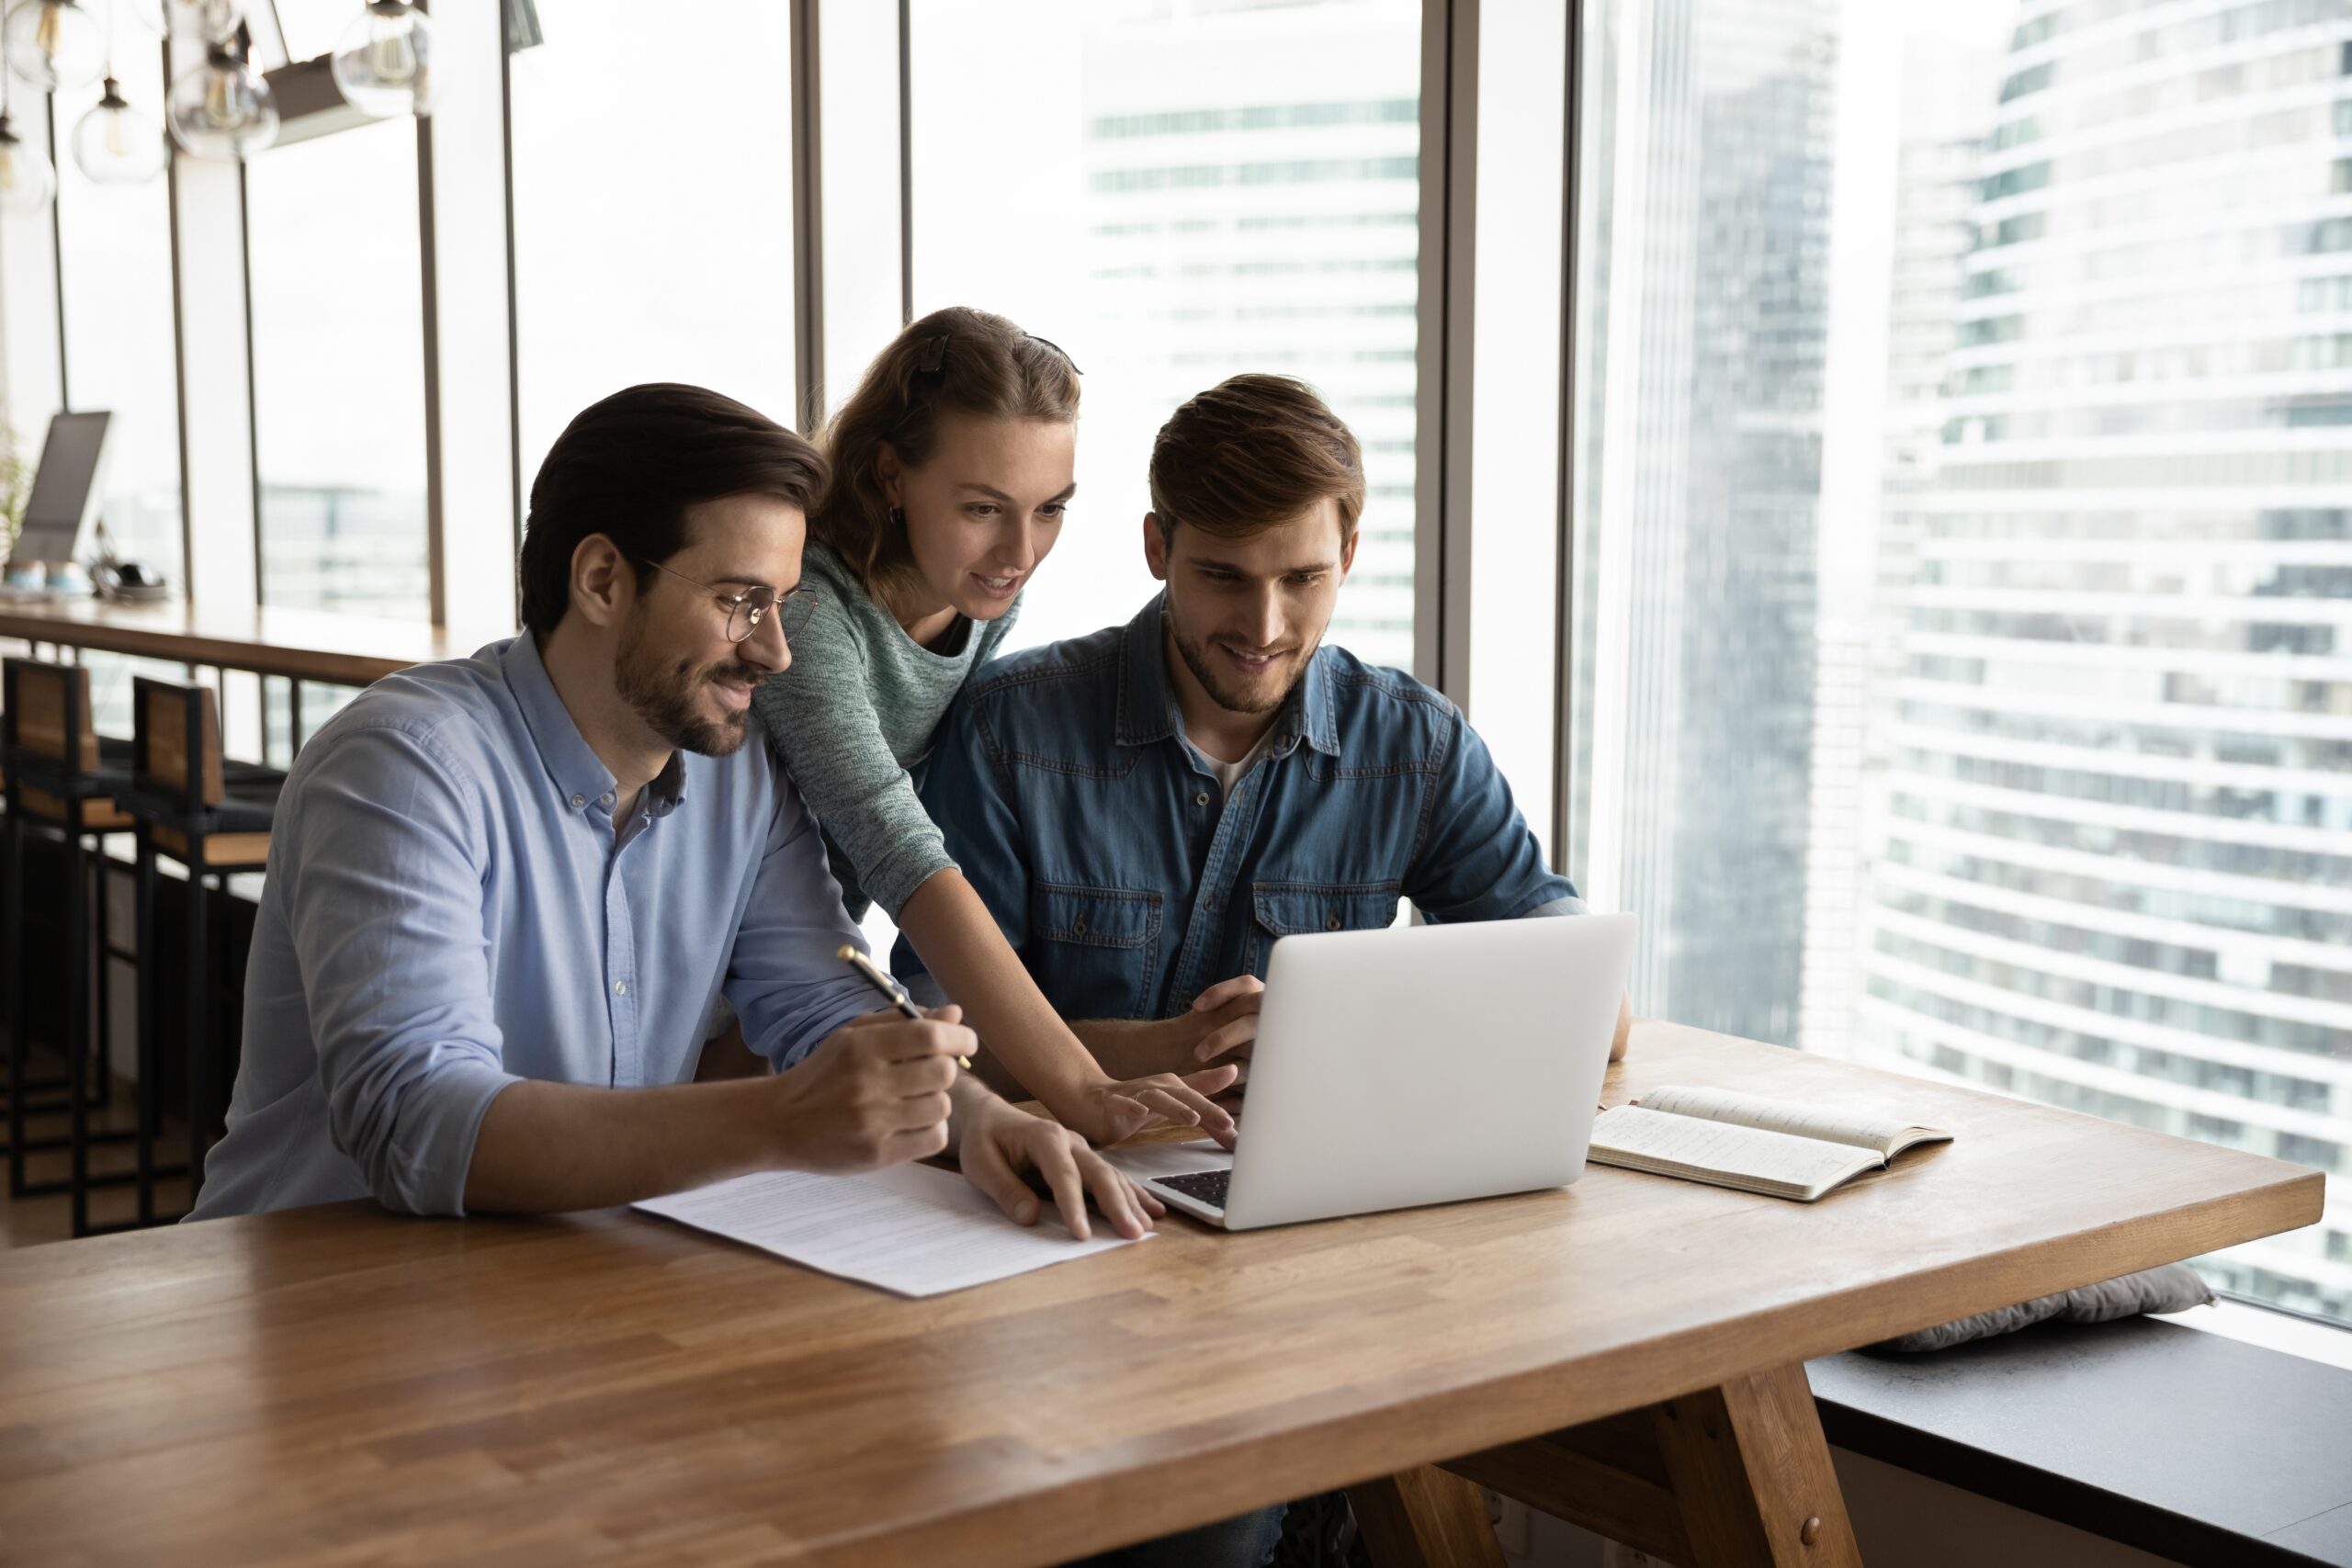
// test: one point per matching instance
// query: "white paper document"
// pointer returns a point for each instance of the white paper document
(911, 1229)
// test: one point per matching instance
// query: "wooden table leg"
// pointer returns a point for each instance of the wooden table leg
(1425, 1518)
(1735, 1476)
(1752, 1471)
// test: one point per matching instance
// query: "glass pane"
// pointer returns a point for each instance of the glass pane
(338, 324)
(116, 243)
(652, 208)
(1174, 196)
(1963, 677)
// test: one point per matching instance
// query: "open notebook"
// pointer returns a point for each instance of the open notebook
(1771, 1146)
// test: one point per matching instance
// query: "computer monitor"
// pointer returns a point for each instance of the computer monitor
(64, 500)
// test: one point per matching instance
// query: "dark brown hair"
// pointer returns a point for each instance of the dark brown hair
(952, 361)
(630, 466)
(1252, 452)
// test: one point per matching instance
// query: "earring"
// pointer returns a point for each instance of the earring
(898, 517)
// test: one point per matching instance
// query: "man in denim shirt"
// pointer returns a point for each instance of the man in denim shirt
(1148, 808)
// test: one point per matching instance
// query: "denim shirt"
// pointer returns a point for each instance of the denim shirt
(1066, 791)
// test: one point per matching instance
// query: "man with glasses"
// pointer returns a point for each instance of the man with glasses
(506, 891)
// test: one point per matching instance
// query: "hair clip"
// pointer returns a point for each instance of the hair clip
(1058, 348)
(935, 357)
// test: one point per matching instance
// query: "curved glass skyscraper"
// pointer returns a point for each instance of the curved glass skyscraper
(2115, 861)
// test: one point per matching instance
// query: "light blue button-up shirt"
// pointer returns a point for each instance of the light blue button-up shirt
(450, 909)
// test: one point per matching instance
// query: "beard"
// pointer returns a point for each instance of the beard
(665, 693)
(1228, 694)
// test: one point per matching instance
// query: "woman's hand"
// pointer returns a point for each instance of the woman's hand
(1000, 1148)
(1107, 1109)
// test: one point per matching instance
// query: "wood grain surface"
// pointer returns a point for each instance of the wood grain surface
(313, 645)
(339, 1385)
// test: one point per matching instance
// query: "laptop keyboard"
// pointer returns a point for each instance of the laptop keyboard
(1207, 1185)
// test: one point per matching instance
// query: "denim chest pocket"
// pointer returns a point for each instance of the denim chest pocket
(1098, 947)
(1288, 909)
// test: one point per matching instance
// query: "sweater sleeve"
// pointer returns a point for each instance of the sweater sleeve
(820, 718)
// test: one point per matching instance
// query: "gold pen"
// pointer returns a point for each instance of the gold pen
(881, 981)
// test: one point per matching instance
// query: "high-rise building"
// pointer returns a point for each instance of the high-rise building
(1700, 574)
(1252, 203)
(2117, 871)
(1943, 112)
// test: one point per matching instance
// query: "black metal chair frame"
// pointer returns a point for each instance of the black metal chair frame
(73, 789)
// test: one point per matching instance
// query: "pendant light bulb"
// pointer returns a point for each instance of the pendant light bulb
(115, 144)
(384, 63)
(224, 108)
(27, 182)
(54, 43)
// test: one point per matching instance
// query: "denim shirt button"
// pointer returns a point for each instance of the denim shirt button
(1077, 928)
(1202, 798)
(1332, 922)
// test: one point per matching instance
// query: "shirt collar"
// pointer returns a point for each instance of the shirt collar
(580, 780)
(1147, 710)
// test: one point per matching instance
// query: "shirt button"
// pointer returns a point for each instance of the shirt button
(1202, 798)
(579, 800)
(620, 988)
(605, 798)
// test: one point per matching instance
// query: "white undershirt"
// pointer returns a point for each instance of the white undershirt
(1230, 773)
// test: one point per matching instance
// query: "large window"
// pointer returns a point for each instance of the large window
(338, 373)
(115, 245)
(1964, 554)
(1176, 196)
(652, 208)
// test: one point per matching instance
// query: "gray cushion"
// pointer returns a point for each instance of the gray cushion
(2172, 1287)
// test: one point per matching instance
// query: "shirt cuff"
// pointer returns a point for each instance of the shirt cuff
(893, 879)
(432, 1152)
(1571, 905)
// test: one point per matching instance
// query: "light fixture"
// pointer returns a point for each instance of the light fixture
(223, 108)
(384, 63)
(54, 43)
(115, 144)
(27, 182)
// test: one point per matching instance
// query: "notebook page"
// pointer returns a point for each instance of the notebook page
(1862, 1131)
(1803, 1163)
(911, 1229)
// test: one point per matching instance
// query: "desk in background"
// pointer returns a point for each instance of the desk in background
(321, 646)
(328, 1384)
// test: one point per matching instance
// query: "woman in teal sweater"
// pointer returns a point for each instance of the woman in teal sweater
(952, 468)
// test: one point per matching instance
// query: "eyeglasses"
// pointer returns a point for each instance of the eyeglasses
(746, 610)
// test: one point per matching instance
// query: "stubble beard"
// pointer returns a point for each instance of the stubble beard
(1213, 681)
(664, 695)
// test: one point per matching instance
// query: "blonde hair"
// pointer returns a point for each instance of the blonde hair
(955, 361)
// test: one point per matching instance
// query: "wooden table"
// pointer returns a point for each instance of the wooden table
(304, 645)
(340, 1385)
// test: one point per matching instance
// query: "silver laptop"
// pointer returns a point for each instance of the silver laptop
(1418, 1065)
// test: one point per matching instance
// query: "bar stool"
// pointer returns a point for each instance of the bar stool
(62, 777)
(213, 817)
